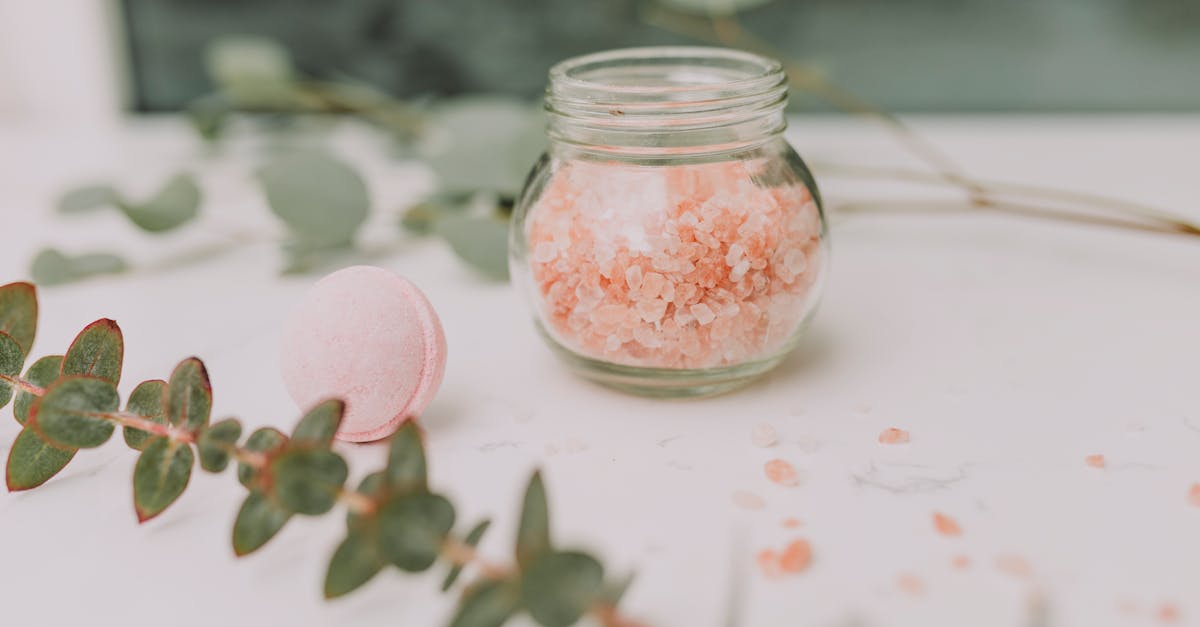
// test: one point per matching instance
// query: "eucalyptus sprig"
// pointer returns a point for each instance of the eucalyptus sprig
(394, 517)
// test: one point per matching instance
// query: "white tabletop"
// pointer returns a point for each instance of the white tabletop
(1009, 348)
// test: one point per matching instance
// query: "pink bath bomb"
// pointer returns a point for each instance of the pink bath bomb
(371, 338)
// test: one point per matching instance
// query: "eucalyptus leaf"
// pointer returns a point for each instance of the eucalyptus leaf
(189, 395)
(322, 199)
(412, 528)
(42, 373)
(266, 440)
(98, 351)
(19, 313)
(307, 481)
(87, 198)
(353, 564)
(482, 242)
(32, 461)
(484, 143)
(11, 360)
(67, 414)
(488, 603)
(559, 587)
(614, 590)
(472, 540)
(177, 203)
(209, 115)
(241, 62)
(714, 7)
(406, 465)
(420, 218)
(320, 424)
(216, 441)
(146, 401)
(160, 476)
(257, 522)
(533, 532)
(52, 267)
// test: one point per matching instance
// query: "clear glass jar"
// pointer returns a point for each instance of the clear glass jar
(670, 241)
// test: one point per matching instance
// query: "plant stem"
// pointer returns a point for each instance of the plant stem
(357, 502)
(1180, 224)
(250, 458)
(22, 385)
(141, 423)
(460, 553)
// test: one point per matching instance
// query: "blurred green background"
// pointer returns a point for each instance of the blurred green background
(904, 55)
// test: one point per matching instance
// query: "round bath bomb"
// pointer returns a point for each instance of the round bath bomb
(371, 338)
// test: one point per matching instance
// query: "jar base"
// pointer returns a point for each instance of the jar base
(664, 382)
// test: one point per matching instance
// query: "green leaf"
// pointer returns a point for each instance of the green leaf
(98, 351)
(11, 360)
(53, 267)
(242, 61)
(406, 470)
(307, 481)
(32, 461)
(714, 7)
(19, 313)
(482, 242)
(420, 218)
(412, 528)
(488, 603)
(87, 198)
(266, 440)
(189, 395)
(174, 205)
(66, 415)
(320, 424)
(160, 476)
(483, 143)
(145, 401)
(559, 587)
(42, 373)
(208, 115)
(472, 540)
(614, 590)
(216, 441)
(533, 533)
(257, 522)
(322, 199)
(354, 563)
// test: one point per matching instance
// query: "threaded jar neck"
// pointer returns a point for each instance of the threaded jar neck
(666, 101)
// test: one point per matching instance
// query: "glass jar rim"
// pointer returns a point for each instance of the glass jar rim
(676, 74)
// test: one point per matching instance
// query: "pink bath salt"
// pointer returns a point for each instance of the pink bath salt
(748, 500)
(1095, 461)
(371, 338)
(910, 583)
(960, 562)
(1194, 494)
(893, 436)
(732, 264)
(945, 525)
(782, 473)
(1014, 565)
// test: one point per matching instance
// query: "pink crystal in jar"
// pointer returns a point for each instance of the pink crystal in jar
(693, 266)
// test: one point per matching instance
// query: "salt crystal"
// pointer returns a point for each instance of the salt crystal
(782, 473)
(703, 313)
(545, 252)
(748, 500)
(946, 525)
(633, 278)
(764, 435)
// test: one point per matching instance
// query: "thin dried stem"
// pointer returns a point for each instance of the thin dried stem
(141, 423)
(995, 187)
(1013, 208)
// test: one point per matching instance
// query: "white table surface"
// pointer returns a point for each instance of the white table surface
(1009, 348)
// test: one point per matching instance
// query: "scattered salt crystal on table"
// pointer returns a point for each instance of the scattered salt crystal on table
(748, 500)
(764, 435)
(1014, 565)
(782, 473)
(910, 584)
(946, 525)
(792, 522)
(1095, 461)
(893, 436)
(961, 562)
(794, 558)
